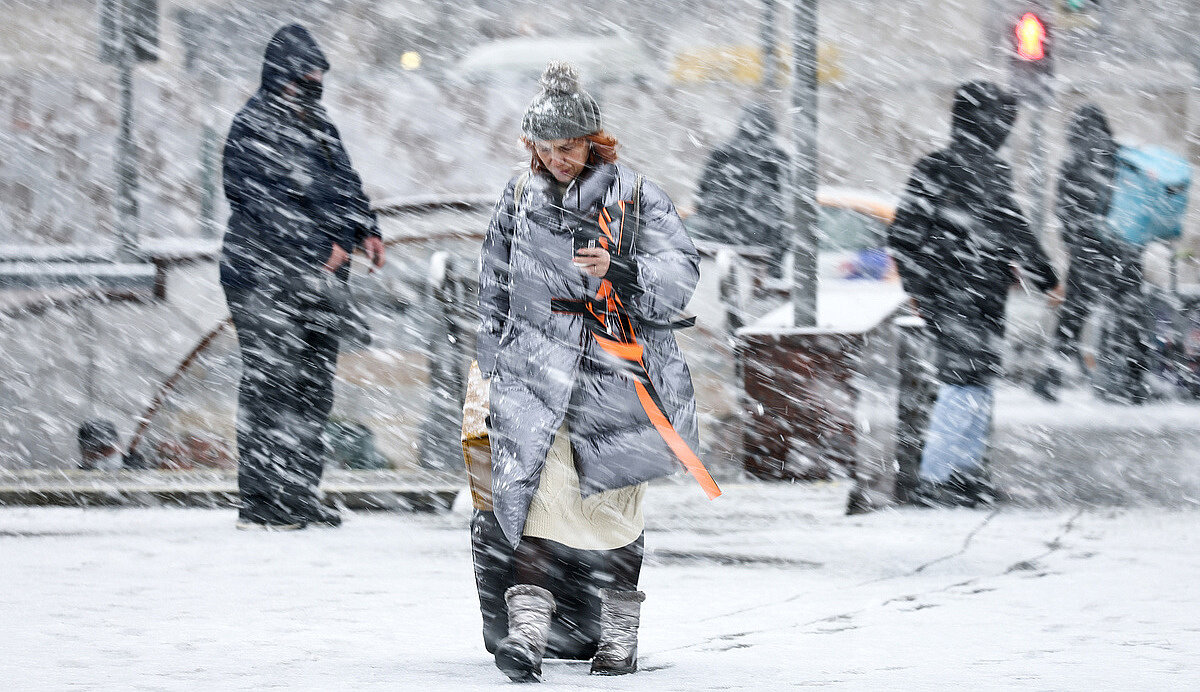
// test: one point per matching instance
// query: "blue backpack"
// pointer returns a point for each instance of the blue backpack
(1150, 195)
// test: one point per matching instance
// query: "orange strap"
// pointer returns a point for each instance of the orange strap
(690, 461)
(613, 332)
(621, 349)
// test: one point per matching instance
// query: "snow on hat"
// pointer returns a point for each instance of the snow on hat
(562, 109)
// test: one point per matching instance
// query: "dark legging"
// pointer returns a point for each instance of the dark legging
(543, 562)
(1088, 282)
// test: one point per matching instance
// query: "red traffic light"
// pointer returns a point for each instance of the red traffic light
(1031, 38)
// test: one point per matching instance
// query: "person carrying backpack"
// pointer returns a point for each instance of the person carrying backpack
(584, 266)
(1084, 195)
(958, 238)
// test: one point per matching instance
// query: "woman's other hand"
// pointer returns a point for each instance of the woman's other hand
(337, 257)
(373, 246)
(593, 261)
(1056, 296)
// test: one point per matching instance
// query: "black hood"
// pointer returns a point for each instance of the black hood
(291, 54)
(1089, 135)
(757, 122)
(983, 114)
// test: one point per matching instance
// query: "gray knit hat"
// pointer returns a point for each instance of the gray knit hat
(561, 110)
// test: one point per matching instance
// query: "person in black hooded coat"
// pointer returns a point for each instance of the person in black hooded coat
(740, 193)
(1085, 191)
(1102, 268)
(958, 238)
(298, 211)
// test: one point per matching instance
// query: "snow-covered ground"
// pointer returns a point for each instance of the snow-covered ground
(769, 587)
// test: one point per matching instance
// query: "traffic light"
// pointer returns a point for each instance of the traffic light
(1030, 57)
(1031, 38)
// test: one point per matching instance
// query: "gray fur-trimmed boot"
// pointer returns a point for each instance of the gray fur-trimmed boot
(519, 655)
(620, 613)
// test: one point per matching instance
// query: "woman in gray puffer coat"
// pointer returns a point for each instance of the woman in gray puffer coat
(572, 444)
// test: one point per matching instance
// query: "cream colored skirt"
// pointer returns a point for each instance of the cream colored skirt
(604, 521)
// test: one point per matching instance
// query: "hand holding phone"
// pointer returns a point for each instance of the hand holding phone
(593, 261)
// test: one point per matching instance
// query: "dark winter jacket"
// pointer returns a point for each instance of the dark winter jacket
(1085, 186)
(291, 188)
(958, 234)
(545, 367)
(740, 192)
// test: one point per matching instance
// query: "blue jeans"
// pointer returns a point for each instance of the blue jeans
(958, 432)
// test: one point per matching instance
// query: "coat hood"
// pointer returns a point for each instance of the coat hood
(1089, 135)
(983, 114)
(757, 122)
(291, 53)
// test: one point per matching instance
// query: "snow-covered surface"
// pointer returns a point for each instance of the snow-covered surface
(76, 269)
(768, 588)
(154, 247)
(843, 305)
(64, 253)
(180, 247)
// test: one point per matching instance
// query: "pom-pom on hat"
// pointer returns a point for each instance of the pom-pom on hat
(562, 109)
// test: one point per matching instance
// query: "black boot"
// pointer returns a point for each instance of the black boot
(620, 614)
(319, 514)
(1047, 383)
(519, 655)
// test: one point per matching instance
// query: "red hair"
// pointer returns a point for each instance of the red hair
(603, 150)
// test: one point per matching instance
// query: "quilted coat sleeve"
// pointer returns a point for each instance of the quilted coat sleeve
(494, 282)
(666, 263)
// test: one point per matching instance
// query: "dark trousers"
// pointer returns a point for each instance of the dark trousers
(1088, 279)
(1124, 357)
(284, 399)
(543, 562)
(574, 576)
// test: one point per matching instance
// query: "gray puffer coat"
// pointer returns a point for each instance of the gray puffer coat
(545, 367)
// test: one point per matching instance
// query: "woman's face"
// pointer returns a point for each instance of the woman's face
(564, 158)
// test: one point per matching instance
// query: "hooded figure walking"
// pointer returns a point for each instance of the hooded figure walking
(572, 443)
(298, 211)
(740, 192)
(959, 239)
(1085, 191)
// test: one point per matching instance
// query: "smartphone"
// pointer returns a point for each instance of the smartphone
(581, 238)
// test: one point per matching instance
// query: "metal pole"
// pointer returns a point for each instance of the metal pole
(1037, 171)
(439, 441)
(208, 156)
(770, 57)
(126, 159)
(91, 336)
(208, 181)
(804, 164)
